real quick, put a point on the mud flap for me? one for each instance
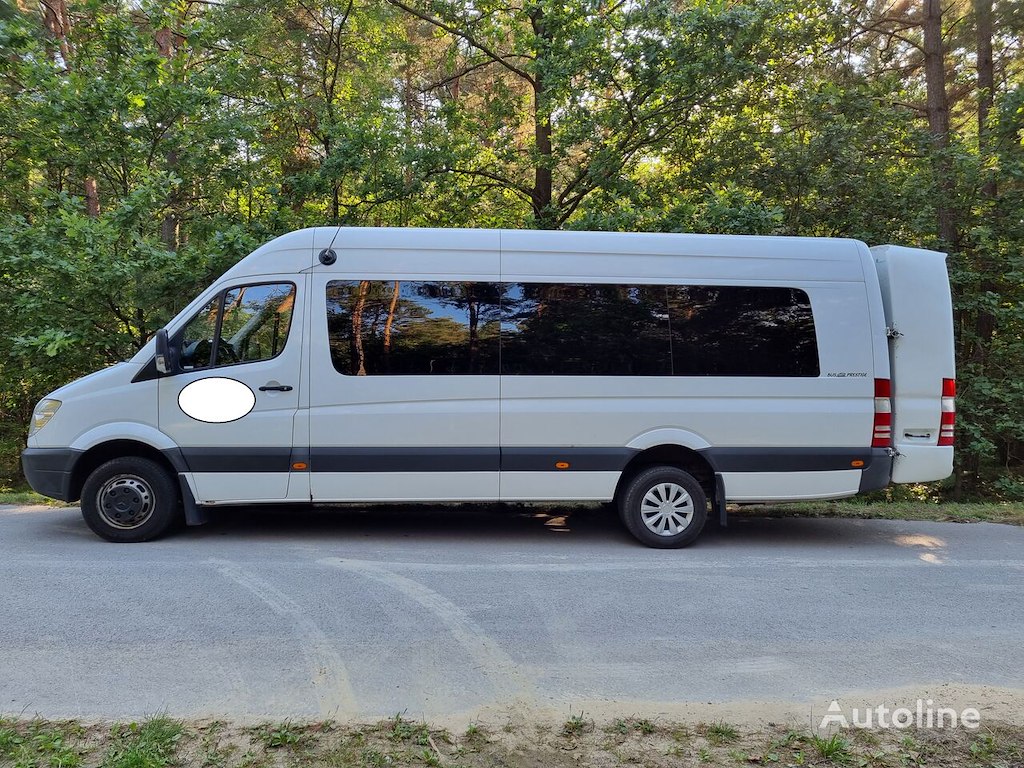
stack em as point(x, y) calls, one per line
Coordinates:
point(194, 514)
point(719, 505)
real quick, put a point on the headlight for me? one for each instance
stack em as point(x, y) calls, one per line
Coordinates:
point(42, 414)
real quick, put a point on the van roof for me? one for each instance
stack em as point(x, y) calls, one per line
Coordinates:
point(296, 251)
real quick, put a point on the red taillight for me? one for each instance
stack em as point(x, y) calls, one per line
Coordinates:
point(948, 415)
point(881, 434)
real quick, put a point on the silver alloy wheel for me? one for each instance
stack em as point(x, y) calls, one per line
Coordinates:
point(125, 501)
point(666, 509)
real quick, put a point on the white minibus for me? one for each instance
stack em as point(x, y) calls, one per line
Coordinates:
point(670, 373)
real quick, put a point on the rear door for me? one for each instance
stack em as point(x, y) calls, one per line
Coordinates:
point(919, 314)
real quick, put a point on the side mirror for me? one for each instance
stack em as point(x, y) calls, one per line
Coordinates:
point(163, 352)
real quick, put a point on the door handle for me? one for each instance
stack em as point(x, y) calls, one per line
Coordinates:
point(275, 388)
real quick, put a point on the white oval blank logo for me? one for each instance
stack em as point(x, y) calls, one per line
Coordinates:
point(217, 400)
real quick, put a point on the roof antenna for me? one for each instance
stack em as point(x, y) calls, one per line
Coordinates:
point(327, 256)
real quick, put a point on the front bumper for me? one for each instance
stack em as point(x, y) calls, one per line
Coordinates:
point(48, 470)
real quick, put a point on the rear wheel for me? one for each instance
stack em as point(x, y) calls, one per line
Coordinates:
point(130, 499)
point(664, 507)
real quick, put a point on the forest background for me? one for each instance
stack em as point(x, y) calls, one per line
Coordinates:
point(147, 145)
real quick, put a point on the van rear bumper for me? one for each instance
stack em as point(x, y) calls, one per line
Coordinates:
point(878, 471)
point(48, 470)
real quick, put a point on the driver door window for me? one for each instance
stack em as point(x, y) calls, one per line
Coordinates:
point(249, 322)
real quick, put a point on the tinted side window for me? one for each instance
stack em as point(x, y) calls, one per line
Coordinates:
point(253, 323)
point(741, 331)
point(408, 327)
point(585, 330)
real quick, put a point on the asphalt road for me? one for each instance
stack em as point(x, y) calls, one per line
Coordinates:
point(438, 613)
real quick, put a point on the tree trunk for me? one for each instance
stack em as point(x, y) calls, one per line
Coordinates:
point(57, 21)
point(985, 323)
point(543, 213)
point(170, 227)
point(92, 197)
point(938, 119)
point(986, 83)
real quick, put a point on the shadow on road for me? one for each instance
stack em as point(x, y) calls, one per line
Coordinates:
point(452, 523)
point(468, 522)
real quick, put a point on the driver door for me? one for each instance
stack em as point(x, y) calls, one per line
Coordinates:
point(232, 404)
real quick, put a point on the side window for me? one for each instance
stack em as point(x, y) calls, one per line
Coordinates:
point(558, 329)
point(250, 323)
point(741, 331)
point(255, 323)
point(406, 327)
point(585, 330)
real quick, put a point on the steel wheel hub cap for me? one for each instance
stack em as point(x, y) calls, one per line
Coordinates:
point(666, 509)
point(125, 501)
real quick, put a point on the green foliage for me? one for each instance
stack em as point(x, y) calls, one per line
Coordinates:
point(150, 744)
point(576, 725)
point(401, 730)
point(148, 147)
point(834, 748)
point(284, 734)
point(721, 733)
point(40, 745)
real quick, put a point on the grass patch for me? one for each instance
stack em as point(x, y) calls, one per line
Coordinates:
point(28, 497)
point(401, 730)
point(1008, 513)
point(576, 725)
point(834, 748)
point(644, 726)
point(721, 733)
point(475, 736)
point(579, 742)
point(150, 744)
point(39, 743)
point(277, 735)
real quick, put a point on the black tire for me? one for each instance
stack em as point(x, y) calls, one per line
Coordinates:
point(680, 516)
point(130, 499)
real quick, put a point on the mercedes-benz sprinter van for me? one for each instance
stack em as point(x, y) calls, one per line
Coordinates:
point(670, 373)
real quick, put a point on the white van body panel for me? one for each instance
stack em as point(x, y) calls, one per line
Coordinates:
point(101, 404)
point(876, 313)
point(758, 487)
point(124, 430)
point(655, 437)
point(401, 421)
point(404, 486)
point(918, 307)
point(289, 254)
point(532, 255)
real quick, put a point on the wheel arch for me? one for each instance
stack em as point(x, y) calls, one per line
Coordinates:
point(673, 455)
point(100, 453)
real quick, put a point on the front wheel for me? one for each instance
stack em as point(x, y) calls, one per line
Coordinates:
point(130, 499)
point(664, 507)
